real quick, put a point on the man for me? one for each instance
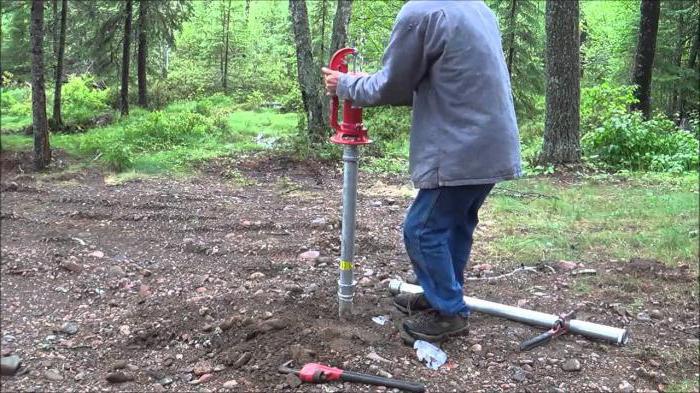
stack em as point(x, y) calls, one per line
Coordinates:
point(445, 59)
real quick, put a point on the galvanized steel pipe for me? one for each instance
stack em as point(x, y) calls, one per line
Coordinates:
point(588, 329)
point(346, 283)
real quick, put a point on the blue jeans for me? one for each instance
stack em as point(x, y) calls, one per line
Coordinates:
point(438, 235)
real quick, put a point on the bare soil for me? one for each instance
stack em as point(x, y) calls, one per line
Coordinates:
point(169, 278)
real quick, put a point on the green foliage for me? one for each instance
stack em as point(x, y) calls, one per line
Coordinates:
point(254, 100)
point(388, 123)
point(156, 131)
point(82, 102)
point(601, 102)
point(15, 102)
point(674, 80)
point(15, 142)
point(626, 141)
point(187, 80)
point(160, 131)
point(523, 35)
point(15, 108)
point(608, 40)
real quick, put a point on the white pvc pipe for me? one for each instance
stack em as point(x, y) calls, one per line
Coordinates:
point(588, 329)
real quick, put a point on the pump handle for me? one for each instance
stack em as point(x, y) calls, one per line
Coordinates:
point(338, 63)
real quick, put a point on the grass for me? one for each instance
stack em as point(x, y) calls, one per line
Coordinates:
point(14, 142)
point(683, 386)
point(15, 123)
point(640, 217)
point(121, 144)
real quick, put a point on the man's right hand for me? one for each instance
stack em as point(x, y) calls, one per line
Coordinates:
point(330, 79)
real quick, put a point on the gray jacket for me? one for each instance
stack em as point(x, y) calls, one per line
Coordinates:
point(445, 58)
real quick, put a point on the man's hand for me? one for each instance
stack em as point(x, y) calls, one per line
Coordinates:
point(330, 79)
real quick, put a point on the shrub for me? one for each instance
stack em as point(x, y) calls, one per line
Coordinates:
point(15, 102)
point(143, 133)
point(601, 102)
point(291, 101)
point(118, 156)
point(82, 101)
point(388, 123)
point(253, 101)
point(626, 141)
point(186, 81)
point(159, 131)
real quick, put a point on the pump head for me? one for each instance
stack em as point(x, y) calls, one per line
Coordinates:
point(351, 131)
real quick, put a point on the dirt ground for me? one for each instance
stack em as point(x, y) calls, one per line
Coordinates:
point(197, 284)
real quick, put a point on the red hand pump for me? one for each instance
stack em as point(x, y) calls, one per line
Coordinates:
point(351, 131)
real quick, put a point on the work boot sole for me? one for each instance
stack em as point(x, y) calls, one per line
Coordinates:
point(437, 338)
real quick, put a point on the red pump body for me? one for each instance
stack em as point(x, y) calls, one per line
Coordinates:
point(351, 131)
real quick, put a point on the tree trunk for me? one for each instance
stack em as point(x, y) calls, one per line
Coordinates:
point(322, 52)
point(142, 55)
point(339, 36)
point(692, 57)
point(125, 61)
point(42, 152)
point(223, 40)
point(511, 36)
point(57, 118)
point(561, 130)
point(247, 11)
point(226, 45)
point(644, 56)
point(166, 60)
point(308, 74)
point(56, 26)
point(340, 25)
point(673, 106)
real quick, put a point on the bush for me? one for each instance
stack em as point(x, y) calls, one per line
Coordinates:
point(602, 102)
point(82, 101)
point(626, 141)
point(159, 131)
point(253, 101)
point(15, 101)
point(187, 81)
point(148, 132)
point(388, 123)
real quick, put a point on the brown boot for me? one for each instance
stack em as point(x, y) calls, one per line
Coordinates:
point(409, 303)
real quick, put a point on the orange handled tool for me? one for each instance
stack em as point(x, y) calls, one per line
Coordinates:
point(318, 373)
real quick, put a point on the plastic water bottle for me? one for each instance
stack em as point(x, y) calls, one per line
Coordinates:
point(432, 356)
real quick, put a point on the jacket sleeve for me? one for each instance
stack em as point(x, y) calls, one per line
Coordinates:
point(417, 39)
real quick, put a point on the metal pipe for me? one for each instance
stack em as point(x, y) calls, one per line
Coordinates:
point(346, 283)
point(588, 329)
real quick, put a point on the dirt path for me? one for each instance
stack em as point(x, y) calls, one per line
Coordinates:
point(167, 279)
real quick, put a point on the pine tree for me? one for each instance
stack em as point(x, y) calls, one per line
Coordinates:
point(42, 152)
point(561, 131)
point(644, 56)
point(521, 23)
point(60, 54)
point(675, 80)
point(126, 54)
point(142, 54)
